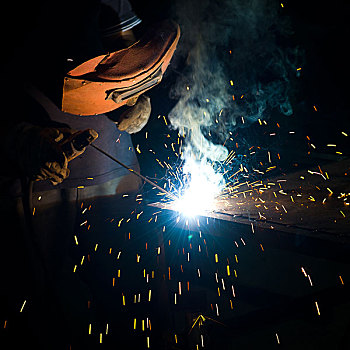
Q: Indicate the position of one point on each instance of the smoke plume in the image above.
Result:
(236, 68)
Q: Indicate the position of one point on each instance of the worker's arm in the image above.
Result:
(33, 145)
(43, 153)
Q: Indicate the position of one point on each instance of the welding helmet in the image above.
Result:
(109, 81)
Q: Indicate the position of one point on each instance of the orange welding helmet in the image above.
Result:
(110, 81)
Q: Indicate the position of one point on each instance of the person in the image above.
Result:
(46, 183)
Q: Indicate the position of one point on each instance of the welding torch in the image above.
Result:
(82, 139)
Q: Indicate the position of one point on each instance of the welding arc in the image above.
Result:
(133, 171)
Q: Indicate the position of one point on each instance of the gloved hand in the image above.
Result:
(44, 153)
(136, 117)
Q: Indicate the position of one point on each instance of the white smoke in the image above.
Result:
(223, 41)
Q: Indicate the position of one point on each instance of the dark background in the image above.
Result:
(322, 31)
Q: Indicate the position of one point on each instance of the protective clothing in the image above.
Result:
(110, 81)
(136, 117)
(91, 167)
(44, 153)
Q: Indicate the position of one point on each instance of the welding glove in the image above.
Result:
(44, 153)
(136, 117)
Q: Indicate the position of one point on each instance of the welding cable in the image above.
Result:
(32, 242)
(71, 147)
(27, 202)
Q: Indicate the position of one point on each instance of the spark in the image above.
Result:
(318, 309)
(24, 303)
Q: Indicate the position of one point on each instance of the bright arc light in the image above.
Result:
(200, 190)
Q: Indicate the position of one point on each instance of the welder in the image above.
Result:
(79, 76)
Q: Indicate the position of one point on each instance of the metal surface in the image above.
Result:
(311, 206)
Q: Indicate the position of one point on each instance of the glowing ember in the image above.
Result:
(201, 186)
